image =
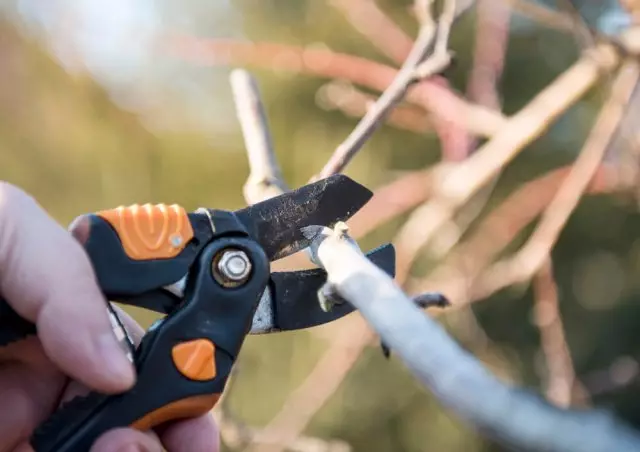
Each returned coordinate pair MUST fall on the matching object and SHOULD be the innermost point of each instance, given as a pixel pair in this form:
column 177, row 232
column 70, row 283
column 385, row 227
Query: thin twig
column 561, row 376
column 526, row 262
column 265, row 179
column 420, row 63
column 368, row 19
column 458, row 183
column 511, row 415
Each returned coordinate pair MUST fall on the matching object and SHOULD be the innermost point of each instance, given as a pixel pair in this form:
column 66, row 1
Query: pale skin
column 47, row 278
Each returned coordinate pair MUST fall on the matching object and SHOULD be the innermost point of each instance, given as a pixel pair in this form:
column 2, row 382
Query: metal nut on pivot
column 233, row 268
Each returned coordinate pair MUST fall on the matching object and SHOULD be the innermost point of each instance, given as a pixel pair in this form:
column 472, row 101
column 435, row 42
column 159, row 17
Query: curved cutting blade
column 277, row 222
column 291, row 301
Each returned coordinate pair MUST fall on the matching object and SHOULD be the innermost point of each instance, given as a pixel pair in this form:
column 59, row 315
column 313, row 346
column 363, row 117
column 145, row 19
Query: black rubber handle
column 172, row 381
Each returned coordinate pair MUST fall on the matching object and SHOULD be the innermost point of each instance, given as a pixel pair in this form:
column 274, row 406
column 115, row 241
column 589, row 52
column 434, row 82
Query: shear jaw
column 264, row 317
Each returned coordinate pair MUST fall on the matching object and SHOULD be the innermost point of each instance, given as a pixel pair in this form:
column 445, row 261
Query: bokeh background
column 97, row 111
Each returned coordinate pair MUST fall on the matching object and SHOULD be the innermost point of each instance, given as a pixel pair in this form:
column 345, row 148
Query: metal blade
column 291, row 300
column 277, row 222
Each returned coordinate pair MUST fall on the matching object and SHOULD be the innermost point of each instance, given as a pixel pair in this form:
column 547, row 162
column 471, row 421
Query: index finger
column 46, row 276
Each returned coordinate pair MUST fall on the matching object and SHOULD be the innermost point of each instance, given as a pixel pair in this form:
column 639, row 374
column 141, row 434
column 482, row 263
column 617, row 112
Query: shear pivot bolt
column 234, row 267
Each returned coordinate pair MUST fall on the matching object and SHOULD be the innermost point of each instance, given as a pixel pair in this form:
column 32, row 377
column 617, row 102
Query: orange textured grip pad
column 195, row 359
column 190, row 407
column 150, row 231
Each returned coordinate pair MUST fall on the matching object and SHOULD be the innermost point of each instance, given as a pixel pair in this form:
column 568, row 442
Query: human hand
column 47, row 278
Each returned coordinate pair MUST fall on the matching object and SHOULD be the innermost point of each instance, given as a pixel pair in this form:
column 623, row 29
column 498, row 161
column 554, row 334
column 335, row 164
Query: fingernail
column 80, row 228
column 115, row 360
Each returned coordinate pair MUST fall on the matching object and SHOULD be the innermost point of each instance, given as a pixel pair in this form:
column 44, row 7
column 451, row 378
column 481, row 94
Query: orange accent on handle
column 195, row 359
column 150, row 231
column 189, row 407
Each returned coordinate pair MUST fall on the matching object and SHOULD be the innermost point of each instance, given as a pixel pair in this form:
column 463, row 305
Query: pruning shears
column 209, row 272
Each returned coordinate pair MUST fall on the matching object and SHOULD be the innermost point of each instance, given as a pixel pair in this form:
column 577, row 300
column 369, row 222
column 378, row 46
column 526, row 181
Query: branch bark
column 265, row 178
column 511, row 415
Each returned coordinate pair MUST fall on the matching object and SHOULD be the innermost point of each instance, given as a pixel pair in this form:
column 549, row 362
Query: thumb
column 46, row 276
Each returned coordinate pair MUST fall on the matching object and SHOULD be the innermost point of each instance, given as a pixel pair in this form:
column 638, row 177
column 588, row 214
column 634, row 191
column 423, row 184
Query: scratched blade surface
column 276, row 222
column 291, row 300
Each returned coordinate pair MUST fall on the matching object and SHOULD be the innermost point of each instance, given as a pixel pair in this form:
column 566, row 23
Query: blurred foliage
column 63, row 140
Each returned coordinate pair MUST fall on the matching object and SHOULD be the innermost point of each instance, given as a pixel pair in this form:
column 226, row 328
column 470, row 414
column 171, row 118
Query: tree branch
column 265, row 179
column 561, row 376
column 422, row 62
column 491, row 41
column 526, row 262
column 511, row 415
column 459, row 182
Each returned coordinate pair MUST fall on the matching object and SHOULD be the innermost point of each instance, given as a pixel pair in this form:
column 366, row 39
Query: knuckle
column 11, row 197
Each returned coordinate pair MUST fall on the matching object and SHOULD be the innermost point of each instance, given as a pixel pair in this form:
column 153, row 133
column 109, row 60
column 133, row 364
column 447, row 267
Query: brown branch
column 561, row 376
column 491, row 40
column 421, row 63
column 367, row 18
column 265, row 179
column 526, row 262
column 430, row 95
column 511, row 415
column 458, row 183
